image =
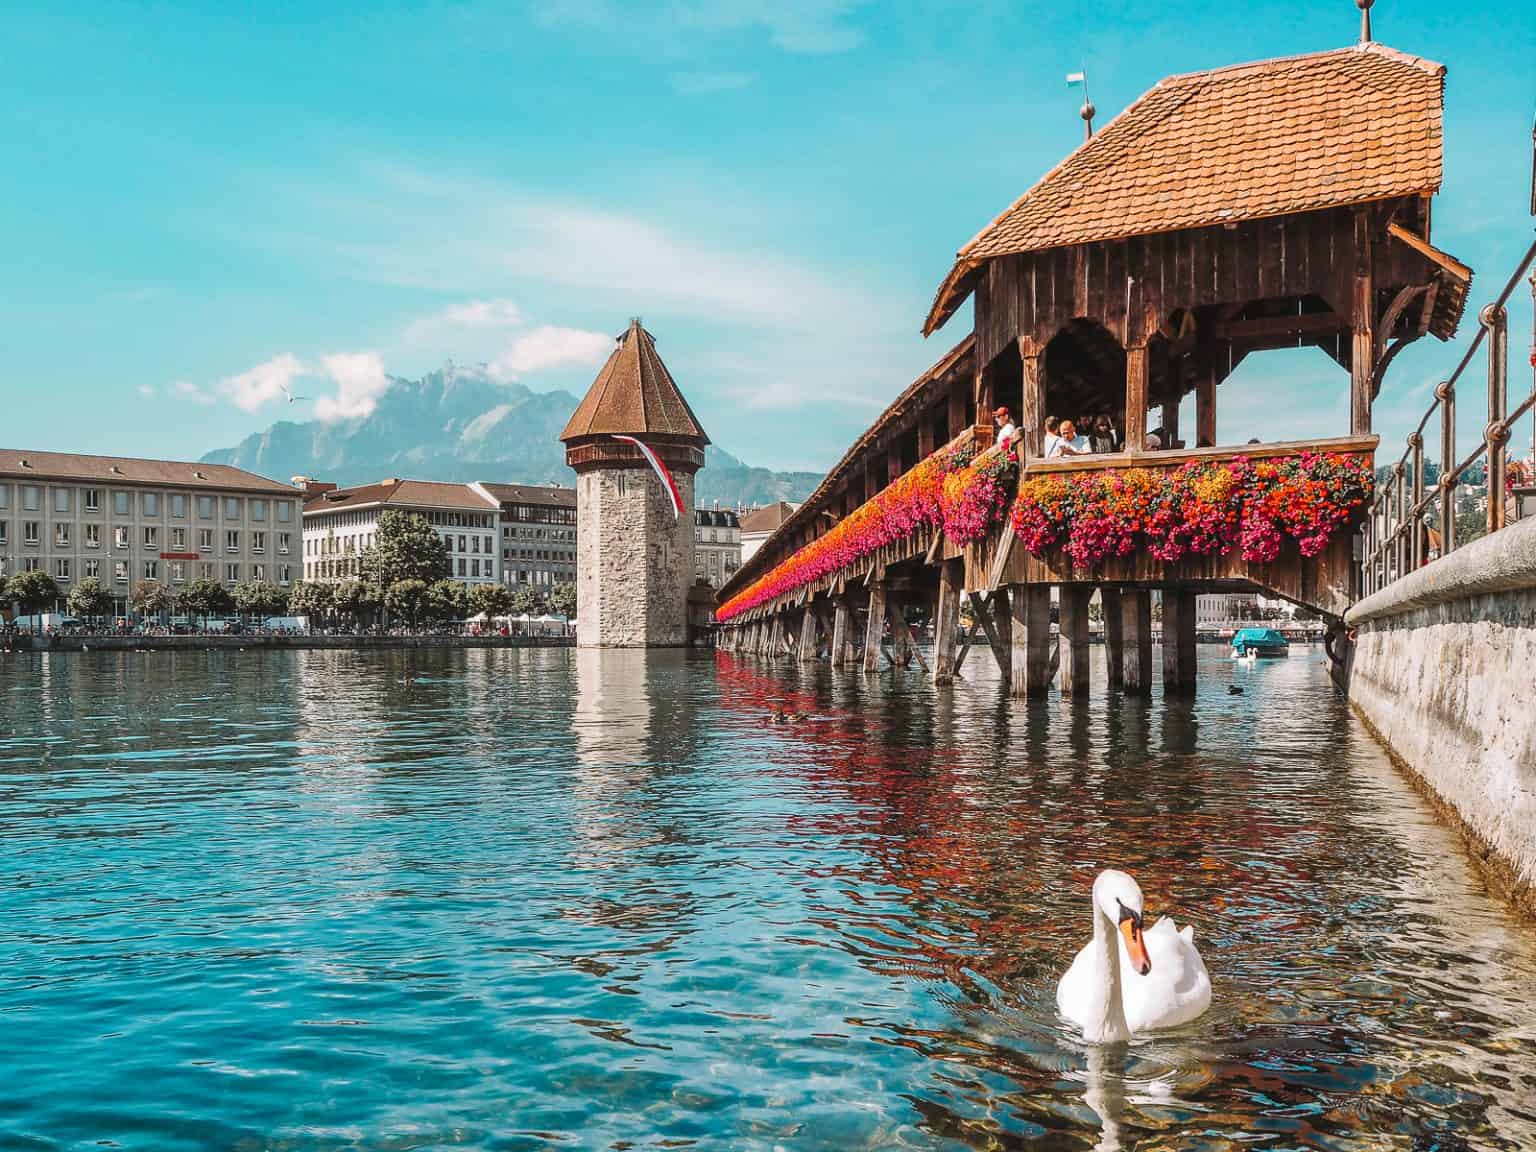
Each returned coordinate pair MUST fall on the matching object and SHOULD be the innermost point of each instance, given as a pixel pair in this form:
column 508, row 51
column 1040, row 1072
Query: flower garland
column 964, row 494
column 1204, row 508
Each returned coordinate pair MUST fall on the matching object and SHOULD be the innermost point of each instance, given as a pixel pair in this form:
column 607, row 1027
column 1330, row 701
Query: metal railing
column 1396, row 536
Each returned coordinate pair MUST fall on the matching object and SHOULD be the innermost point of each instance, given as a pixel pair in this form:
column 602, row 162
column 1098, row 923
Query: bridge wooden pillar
column 1137, row 371
column 1205, row 407
column 946, row 620
column 842, row 633
column 1170, row 422
column 1362, row 319
column 1074, row 639
column 1178, row 642
column 1032, row 418
column 1030, row 639
column 997, row 622
column 806, row 648
column 1114, row 636
column 1136, row 625
column 875, row 629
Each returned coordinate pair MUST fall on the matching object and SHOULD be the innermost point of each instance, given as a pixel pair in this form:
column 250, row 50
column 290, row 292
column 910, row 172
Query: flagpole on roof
column 1080, row 80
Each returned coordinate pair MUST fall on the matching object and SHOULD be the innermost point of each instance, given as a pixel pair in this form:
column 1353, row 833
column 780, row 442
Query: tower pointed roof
column 634, row 395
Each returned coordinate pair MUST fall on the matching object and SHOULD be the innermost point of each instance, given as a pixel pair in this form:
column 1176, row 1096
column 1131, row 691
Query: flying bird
column 288, row 392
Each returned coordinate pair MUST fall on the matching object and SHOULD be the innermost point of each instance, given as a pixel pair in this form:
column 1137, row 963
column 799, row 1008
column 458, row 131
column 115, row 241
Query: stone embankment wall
column 1444, row 671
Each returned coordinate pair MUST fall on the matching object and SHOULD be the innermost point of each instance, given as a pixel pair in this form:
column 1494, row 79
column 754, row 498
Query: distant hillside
column 463, row 426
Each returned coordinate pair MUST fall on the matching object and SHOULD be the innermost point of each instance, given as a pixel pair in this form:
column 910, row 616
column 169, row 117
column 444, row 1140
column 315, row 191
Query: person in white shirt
column 1068, row 443
column 1006, row 430
column 1052, row 427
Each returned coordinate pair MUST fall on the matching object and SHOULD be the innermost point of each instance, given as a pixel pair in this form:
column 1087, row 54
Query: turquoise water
column 542, row 899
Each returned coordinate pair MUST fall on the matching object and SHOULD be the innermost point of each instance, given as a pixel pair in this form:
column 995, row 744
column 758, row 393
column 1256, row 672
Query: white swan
column 1132, row 980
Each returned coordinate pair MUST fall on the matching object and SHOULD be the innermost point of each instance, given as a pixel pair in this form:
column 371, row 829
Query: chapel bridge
column 1279, row 204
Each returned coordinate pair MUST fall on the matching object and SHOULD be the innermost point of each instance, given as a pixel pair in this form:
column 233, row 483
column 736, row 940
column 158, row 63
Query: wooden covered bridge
column 1279, row 204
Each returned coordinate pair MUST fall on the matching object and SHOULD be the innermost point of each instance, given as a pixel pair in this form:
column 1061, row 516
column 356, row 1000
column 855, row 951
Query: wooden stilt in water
column 906, row 646
column 842, row 634
column 1114, row 635
column 1074, row 639
column 1136, row 623
column 1178, row 642
column 1030, row 639
column 875, row 628
column 997, row 622
column 946, row 619
column 805, row 650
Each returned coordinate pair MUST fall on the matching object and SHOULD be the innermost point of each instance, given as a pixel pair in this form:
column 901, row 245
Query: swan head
column 1118, row 897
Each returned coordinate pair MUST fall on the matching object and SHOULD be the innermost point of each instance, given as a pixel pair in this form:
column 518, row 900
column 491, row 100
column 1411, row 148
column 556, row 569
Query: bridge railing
column 1396, row 535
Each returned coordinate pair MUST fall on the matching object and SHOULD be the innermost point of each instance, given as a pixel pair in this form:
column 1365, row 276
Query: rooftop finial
column 1080, row 80
column 1365, row 19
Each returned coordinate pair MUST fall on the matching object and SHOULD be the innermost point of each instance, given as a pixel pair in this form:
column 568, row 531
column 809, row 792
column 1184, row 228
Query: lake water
column 529, row 899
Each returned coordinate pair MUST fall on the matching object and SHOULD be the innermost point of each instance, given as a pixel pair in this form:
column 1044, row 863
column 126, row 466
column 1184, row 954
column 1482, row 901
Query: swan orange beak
column 1136, row 944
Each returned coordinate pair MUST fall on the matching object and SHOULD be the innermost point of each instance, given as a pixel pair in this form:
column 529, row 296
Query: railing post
column 1496, row 320
column 1447, row 393
column 1400, row 534
column 1416, row 545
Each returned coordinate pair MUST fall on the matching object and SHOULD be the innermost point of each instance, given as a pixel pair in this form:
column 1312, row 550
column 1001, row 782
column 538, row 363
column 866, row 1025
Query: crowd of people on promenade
column 1089, row 435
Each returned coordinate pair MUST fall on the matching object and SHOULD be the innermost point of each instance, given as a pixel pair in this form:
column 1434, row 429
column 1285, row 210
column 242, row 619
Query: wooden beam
column 903, row 635
column 1347, row 444
column 995, row 620
column 1136, row 623
column 966, row 643
column 842, row 634
column 946, row 619
column 1205, row 407
column 1136, row 381
column 1114, row 635
column 1005, row 543
column 1362, row 317
column 1030, row 636
column 875, row 628
column 1260, row 329
column 1032, row 416
column 1178, row 642
column 1074, row 639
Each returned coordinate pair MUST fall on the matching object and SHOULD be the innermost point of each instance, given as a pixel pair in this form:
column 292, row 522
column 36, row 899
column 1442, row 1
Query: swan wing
column 1176, row 991
column 1075, row 988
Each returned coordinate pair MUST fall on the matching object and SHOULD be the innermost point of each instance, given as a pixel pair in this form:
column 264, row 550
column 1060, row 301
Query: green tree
column 205, row 598
column 492, row 599
column 32, row 592
column 357, row 599
column 150, row 598
column 527, row 601
column 447, row 600
column 405, row 547
column 562, row 600
column 261, row 598
column 408, row 599
column 317, row 601
column 88, row 598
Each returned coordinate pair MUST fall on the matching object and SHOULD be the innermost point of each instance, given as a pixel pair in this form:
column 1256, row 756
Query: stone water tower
column 634, row 518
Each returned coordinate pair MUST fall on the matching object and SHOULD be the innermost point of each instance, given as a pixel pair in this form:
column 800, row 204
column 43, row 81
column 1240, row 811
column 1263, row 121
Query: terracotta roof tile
column 634, row 395
column 23, row 463
column 402, row 493
column 552, row 496
column 1237, row 143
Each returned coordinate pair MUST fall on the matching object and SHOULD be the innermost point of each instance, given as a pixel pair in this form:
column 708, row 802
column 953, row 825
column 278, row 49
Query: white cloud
column 472, row 316
column 360, row 381
column 550, row 346
column 264, row 383
column 187, row 390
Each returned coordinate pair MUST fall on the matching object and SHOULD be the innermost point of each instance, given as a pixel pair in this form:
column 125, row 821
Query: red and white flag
column 667, row 483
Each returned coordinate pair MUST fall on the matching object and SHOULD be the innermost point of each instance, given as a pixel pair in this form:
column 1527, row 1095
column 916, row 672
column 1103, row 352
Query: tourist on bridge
column 1007, row 431
column 1068, row 443
column 1052, row 435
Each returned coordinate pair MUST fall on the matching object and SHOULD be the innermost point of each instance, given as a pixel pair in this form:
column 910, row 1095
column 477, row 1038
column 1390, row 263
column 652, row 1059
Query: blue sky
column 206, row 203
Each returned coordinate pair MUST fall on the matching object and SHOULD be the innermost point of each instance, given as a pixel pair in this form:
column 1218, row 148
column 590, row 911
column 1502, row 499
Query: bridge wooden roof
column 634, row 395
column 1238, row 143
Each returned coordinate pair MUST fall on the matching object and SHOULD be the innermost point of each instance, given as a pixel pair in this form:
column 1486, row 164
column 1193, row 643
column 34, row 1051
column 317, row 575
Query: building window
column 120, row 571
column 462, row 566
column 120, row 537
column 92, row 568
column 32, row 532
column 259, row 511
column 30, row 501
column 232, row 573
column 93, row 499
column 461, row 545
column 3, row 527
column 205, row 507
column 231, row 508
column 151, row 536
column 121, row 505
column 93, row 535
column 61, row 499
column 31, row 564
column 284, row 541
column 258, row 571
column 258, row 541
column 205, row 539
column 284, row 512
column 151, row 503
column 205, row 571
column 178, row 539
column 5, row 495
column 284, row 571
column 178, row 506
column 178, row 571
column 151, row 569
column 61, row 535
column 232, row 541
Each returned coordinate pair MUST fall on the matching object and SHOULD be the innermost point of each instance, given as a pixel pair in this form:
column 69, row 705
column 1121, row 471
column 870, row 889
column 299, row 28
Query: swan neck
column 1109, row 1004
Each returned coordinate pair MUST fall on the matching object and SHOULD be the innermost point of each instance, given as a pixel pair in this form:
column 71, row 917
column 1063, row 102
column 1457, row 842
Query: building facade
column 716, row 546
column 124, row 520
column 341, row 524
column 634, row 527
column 757, row 524
column 537, row 533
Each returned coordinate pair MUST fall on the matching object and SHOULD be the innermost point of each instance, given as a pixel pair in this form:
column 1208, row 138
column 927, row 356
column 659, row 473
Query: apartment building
column 123, row 520
column 538, row 533
column 716, row 546
column 340, row 524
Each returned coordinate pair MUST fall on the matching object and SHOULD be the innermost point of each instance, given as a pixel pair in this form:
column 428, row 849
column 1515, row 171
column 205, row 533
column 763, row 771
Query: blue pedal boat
column 1260, row 642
